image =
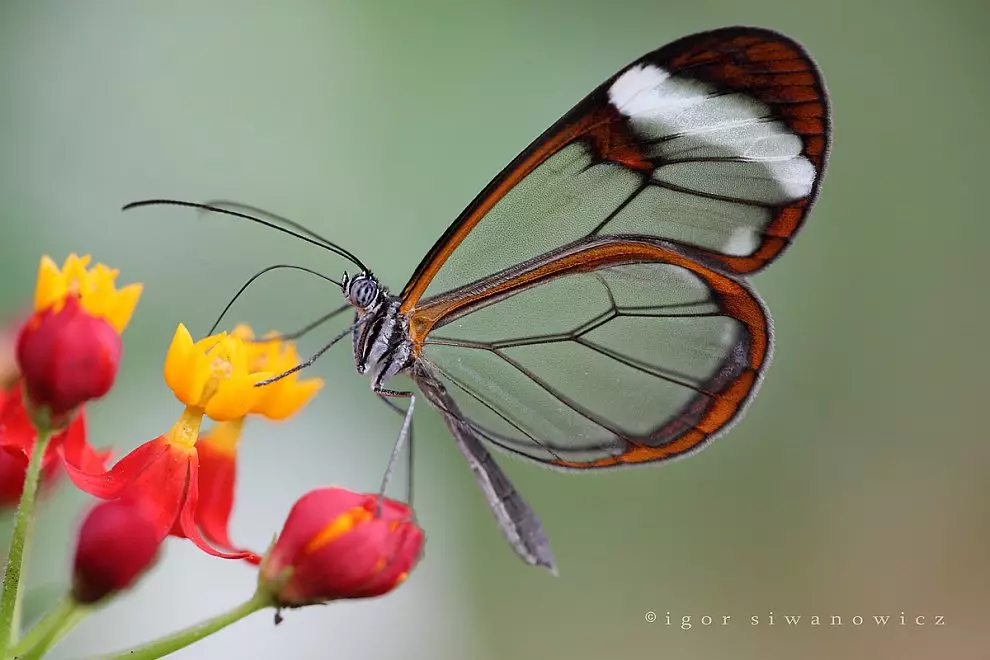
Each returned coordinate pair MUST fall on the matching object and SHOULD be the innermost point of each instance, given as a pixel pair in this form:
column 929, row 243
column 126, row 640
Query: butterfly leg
column 316, row 356
column 406, row 420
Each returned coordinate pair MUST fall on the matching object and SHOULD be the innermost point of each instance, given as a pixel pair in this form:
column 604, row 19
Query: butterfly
column 589, row 309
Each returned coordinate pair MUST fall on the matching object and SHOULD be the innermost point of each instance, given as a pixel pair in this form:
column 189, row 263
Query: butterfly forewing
column 716, row 142
column 585, row 310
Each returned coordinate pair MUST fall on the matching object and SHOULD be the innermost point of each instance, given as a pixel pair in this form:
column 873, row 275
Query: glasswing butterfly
column 589, row 308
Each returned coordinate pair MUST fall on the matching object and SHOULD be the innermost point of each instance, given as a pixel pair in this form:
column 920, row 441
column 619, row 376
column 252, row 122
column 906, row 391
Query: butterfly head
column 363, row 291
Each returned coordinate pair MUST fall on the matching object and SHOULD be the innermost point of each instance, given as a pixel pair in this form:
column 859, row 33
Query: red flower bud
column 335, row 544
column 117, row 544
column 67, row 357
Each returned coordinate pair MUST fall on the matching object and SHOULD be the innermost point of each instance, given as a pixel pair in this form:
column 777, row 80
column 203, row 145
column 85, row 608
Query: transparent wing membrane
column 591, row 365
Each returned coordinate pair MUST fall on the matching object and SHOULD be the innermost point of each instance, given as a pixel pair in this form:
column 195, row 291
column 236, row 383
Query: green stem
column 58, row 621
column 183, row 638
column 19, row 541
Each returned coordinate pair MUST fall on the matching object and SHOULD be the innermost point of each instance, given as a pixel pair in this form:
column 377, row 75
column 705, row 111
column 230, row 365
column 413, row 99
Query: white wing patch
column 649, row 91
column 742, row 241
column 690, row 123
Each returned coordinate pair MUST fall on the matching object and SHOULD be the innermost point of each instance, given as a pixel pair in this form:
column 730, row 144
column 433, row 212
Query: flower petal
column 279, row 403
column 186, row 369
column 217, row 451
column 123, row 308
column 160, row 489
column 187, row 522
column 111, row 484
column 50, row 287
column 235, row 397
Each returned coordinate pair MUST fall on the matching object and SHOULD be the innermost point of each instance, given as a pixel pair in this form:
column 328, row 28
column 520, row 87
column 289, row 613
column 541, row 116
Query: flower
column 116, row 545
column 68, row 351
column 17, row 440
column 185, row 481
column 340, row 544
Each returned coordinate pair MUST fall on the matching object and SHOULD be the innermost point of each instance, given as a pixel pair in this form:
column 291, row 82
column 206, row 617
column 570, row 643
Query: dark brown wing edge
column 763, row 63
column 518, row 521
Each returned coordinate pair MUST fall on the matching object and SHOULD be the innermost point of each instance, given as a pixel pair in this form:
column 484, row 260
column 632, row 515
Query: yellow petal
column 97, row 292
column 210, row 343
column 123, row 307
column 186, row 370
column 51, row 287
column 74, row 270
column 279, row 403
column 237, row 355
column 234, row 397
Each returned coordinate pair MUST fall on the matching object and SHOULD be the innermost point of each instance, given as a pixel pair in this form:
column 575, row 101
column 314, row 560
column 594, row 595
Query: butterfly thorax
column 381, row 340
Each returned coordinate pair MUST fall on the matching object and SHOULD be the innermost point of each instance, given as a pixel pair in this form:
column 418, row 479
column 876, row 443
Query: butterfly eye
column 364, row 292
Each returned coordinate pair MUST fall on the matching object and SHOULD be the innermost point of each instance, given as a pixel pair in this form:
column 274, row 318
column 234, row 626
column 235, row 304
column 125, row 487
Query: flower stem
column 19, row 541
column 183, row 638
column 58, row 621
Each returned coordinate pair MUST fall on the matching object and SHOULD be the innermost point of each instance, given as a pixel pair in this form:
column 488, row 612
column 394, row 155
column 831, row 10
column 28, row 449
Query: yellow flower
column 95, row 288
column 218, row 375
column 211, row 375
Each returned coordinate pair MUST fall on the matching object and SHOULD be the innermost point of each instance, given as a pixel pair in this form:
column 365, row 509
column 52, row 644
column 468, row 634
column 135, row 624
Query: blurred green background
column 856, row 484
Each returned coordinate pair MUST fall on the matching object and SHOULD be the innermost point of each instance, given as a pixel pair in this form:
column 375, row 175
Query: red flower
column 335, row 544
column 17, row 441
column 162, row 477
column 69, row 349
column 117, row 544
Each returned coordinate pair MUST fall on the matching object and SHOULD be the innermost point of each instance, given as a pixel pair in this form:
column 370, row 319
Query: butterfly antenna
column 255, row 277
column 274, row 222
column 259, row 212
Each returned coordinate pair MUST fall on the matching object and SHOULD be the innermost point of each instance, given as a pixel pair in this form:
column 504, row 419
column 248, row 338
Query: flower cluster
column 335, row 544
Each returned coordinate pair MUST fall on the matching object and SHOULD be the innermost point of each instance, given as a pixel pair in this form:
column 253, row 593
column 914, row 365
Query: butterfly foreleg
column 405, row 434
